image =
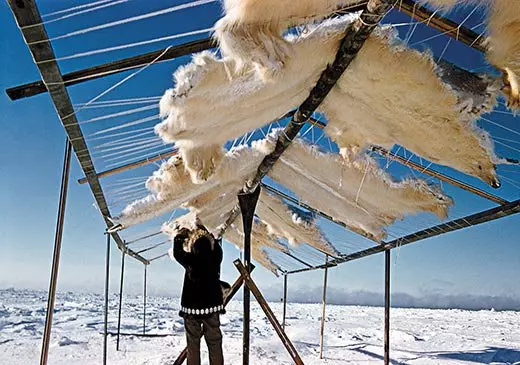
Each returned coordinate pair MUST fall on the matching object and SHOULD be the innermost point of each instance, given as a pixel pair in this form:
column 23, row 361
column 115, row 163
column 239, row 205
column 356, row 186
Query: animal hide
column 284, row 223
column 388, row 95
column 352, row 189
column 250, row 33
column 280, row 220
column 258, row 241
column 502, row 43
column 171, row 186
column 393, row 95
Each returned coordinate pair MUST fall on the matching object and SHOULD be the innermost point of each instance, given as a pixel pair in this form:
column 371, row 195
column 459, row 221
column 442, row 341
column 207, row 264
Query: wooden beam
column 420, row 13
column 451, row 226
column 29, row 21
column 249, row 283
column 110, row 68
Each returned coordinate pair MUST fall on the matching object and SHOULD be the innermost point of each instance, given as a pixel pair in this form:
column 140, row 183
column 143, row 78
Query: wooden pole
column 268, row 312
column 284, row 300
column 324, row 304
column 120, row 298
column 57, row 253
column 387, row 309
column 107, row 282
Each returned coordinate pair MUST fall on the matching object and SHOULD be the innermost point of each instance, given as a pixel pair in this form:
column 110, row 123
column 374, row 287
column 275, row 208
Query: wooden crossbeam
column 29, row 21
column 419, row 13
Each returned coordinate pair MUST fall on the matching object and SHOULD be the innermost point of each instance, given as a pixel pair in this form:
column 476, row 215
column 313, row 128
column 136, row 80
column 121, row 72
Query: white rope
column 89, row 138
column 444, row 33
column 128, row 45
column 122, row 140
column 119, row 114
column 128, row 20
column 507, row 140
column 68, row 10
column 98, row 106
column 126, row 188
column 500, row 126
column 128, row 144
column 505, row 145
column 133, row 159
column 143, row 98
column 119, row 83
column 120, row 156
column 77, row 13
column 362, row 181
column 129, row 124
column 137, row 148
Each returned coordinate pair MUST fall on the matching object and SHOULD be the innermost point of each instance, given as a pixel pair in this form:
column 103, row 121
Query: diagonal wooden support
column 248, row 281
column 232, row 291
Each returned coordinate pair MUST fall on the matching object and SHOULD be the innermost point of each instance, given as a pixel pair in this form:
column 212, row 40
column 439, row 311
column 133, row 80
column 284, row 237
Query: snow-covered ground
column 353, row 334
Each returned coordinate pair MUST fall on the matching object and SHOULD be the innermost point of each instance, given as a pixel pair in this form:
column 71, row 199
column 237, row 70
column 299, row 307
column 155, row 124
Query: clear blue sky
column 482, row 262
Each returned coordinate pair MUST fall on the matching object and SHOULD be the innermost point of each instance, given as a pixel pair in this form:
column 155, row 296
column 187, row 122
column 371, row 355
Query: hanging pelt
column 250, row 33
column 171, row 186
column 405, row 98
column 283, row 222
column 389, row 95
column 352, row 189
column 213, row 208
column 502, row 42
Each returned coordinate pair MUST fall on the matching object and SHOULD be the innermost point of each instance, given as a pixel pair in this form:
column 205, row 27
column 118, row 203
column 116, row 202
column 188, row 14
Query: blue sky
column 481, row 262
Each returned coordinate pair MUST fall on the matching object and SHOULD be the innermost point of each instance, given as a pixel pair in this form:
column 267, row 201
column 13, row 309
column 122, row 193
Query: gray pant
column 208, row 327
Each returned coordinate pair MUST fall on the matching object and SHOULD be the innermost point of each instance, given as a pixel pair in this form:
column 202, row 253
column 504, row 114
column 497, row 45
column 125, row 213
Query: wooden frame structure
column 53, row 82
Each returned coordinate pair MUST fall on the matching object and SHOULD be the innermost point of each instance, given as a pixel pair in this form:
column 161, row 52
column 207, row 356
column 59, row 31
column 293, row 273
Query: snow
column 353, row 333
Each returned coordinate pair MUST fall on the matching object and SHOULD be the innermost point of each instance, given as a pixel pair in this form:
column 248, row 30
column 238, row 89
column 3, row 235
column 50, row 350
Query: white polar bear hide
column 389, row 95
column 250, row 33
column 353, row 190
column 356, row 192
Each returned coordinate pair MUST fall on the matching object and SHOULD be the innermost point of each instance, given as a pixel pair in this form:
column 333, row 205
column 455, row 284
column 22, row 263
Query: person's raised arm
column 180, row 255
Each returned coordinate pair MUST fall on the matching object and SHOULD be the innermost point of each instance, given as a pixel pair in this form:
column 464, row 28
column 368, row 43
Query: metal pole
column 284, row 300
column 144, row 301
column 56, row 255
column 107, row 281
column 247, row 203
column 387, row 308
column 120, row 298
column 324, row 303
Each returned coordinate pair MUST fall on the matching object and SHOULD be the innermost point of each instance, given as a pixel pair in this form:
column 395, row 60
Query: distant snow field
column 354, row 335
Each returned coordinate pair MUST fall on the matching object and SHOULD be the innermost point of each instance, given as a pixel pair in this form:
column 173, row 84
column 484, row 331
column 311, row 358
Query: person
column 202, row 295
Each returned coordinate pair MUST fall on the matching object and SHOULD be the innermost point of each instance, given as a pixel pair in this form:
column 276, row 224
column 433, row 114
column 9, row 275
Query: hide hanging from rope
column 250, row 33
column 389, row 95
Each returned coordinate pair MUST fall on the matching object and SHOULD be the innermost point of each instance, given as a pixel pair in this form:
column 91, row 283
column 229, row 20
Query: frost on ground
column 353, row 334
